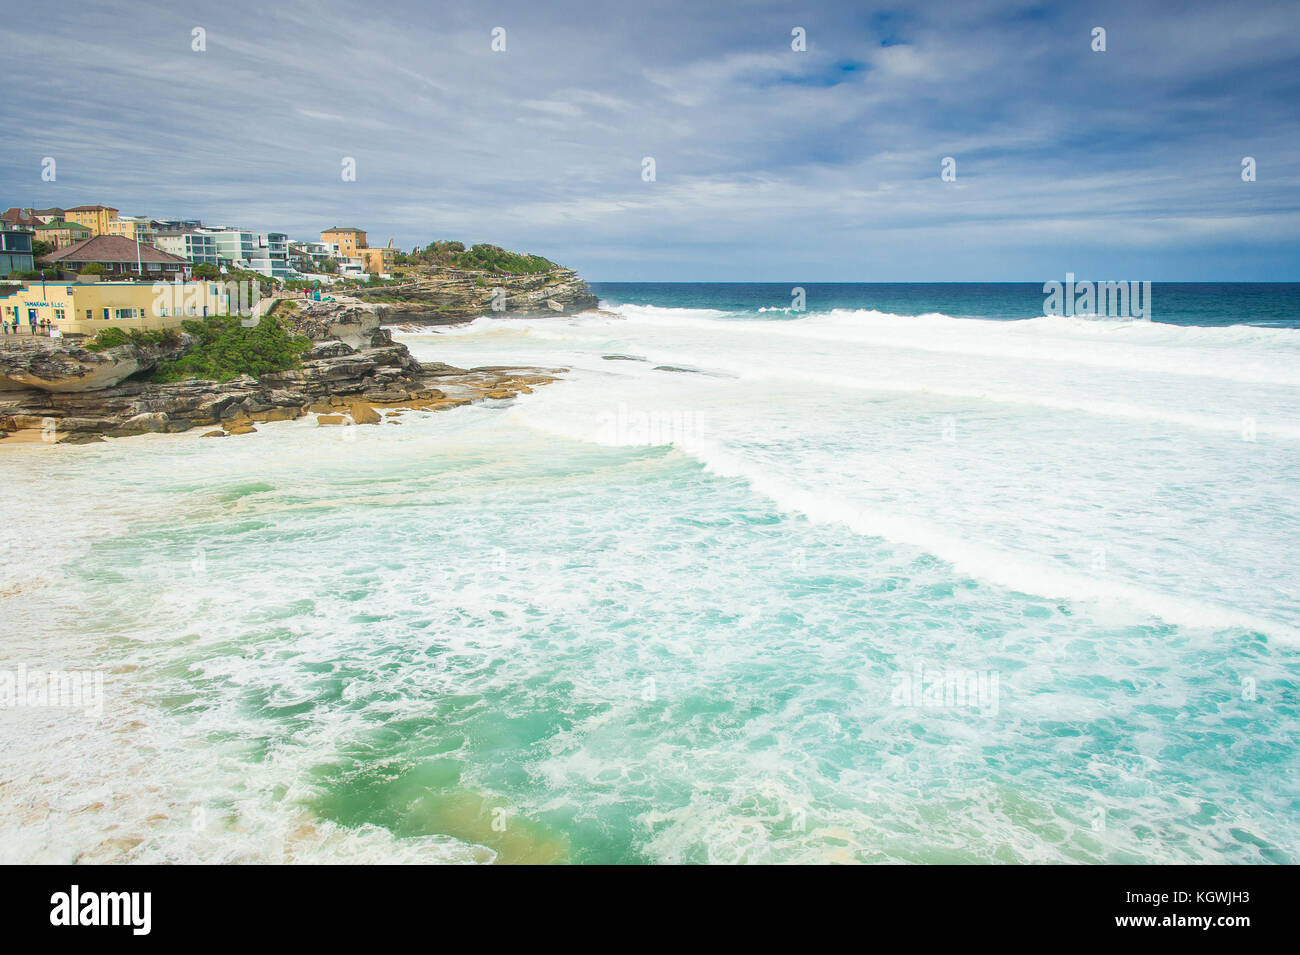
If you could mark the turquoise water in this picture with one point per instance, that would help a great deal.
(678, 616)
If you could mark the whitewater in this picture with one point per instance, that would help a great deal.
(660, 611)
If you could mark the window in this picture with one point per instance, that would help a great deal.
(58, 315)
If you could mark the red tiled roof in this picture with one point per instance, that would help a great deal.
(113, 248)
(19, 216)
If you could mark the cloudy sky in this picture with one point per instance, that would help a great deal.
(771, 164)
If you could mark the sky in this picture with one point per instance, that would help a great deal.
(770, 164)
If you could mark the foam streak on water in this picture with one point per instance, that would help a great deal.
(665, 615)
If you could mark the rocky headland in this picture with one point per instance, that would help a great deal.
(57, 390)
(447, 296)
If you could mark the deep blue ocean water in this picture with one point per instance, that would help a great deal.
(1267, 304)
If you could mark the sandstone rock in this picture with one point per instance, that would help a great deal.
(364, 414)
(64, 365)
(273, 413)
(80, 438)
(215, 434)
(148, 421)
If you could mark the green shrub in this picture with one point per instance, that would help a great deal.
(226, 350)
(115, 337)
(484, 258)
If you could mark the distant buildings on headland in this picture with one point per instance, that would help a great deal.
(69, 238)
(78, 270)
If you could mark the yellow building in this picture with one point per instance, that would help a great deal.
(347, 240)
(61, 234)
(96, 218)
(86, 308)
(377, 261)
(135, 228)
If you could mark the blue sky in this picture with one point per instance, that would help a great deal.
(771, 164)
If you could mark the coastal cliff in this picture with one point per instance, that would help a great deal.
(67, 393)
(442, 295)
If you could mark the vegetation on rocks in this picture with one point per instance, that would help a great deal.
(116, 337)
(486, 258)
(225, 349)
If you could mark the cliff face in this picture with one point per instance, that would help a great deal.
(74, 396)
(441, 296)
(63, 365)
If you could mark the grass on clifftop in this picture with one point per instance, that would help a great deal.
(486, 258)
(226, 350)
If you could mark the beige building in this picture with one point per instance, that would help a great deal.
(347, 240)
(135, 228)
(86, 308)
(377, 261)
(61, 234)
(350, 244)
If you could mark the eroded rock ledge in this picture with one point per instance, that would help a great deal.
(444, 296)
(354, 374)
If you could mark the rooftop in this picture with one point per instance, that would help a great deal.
(113, 248)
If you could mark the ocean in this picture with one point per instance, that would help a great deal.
(912, 575)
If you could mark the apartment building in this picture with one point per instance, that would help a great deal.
(196, 245)
(264, 252)
(135, 228)
(96, 218)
